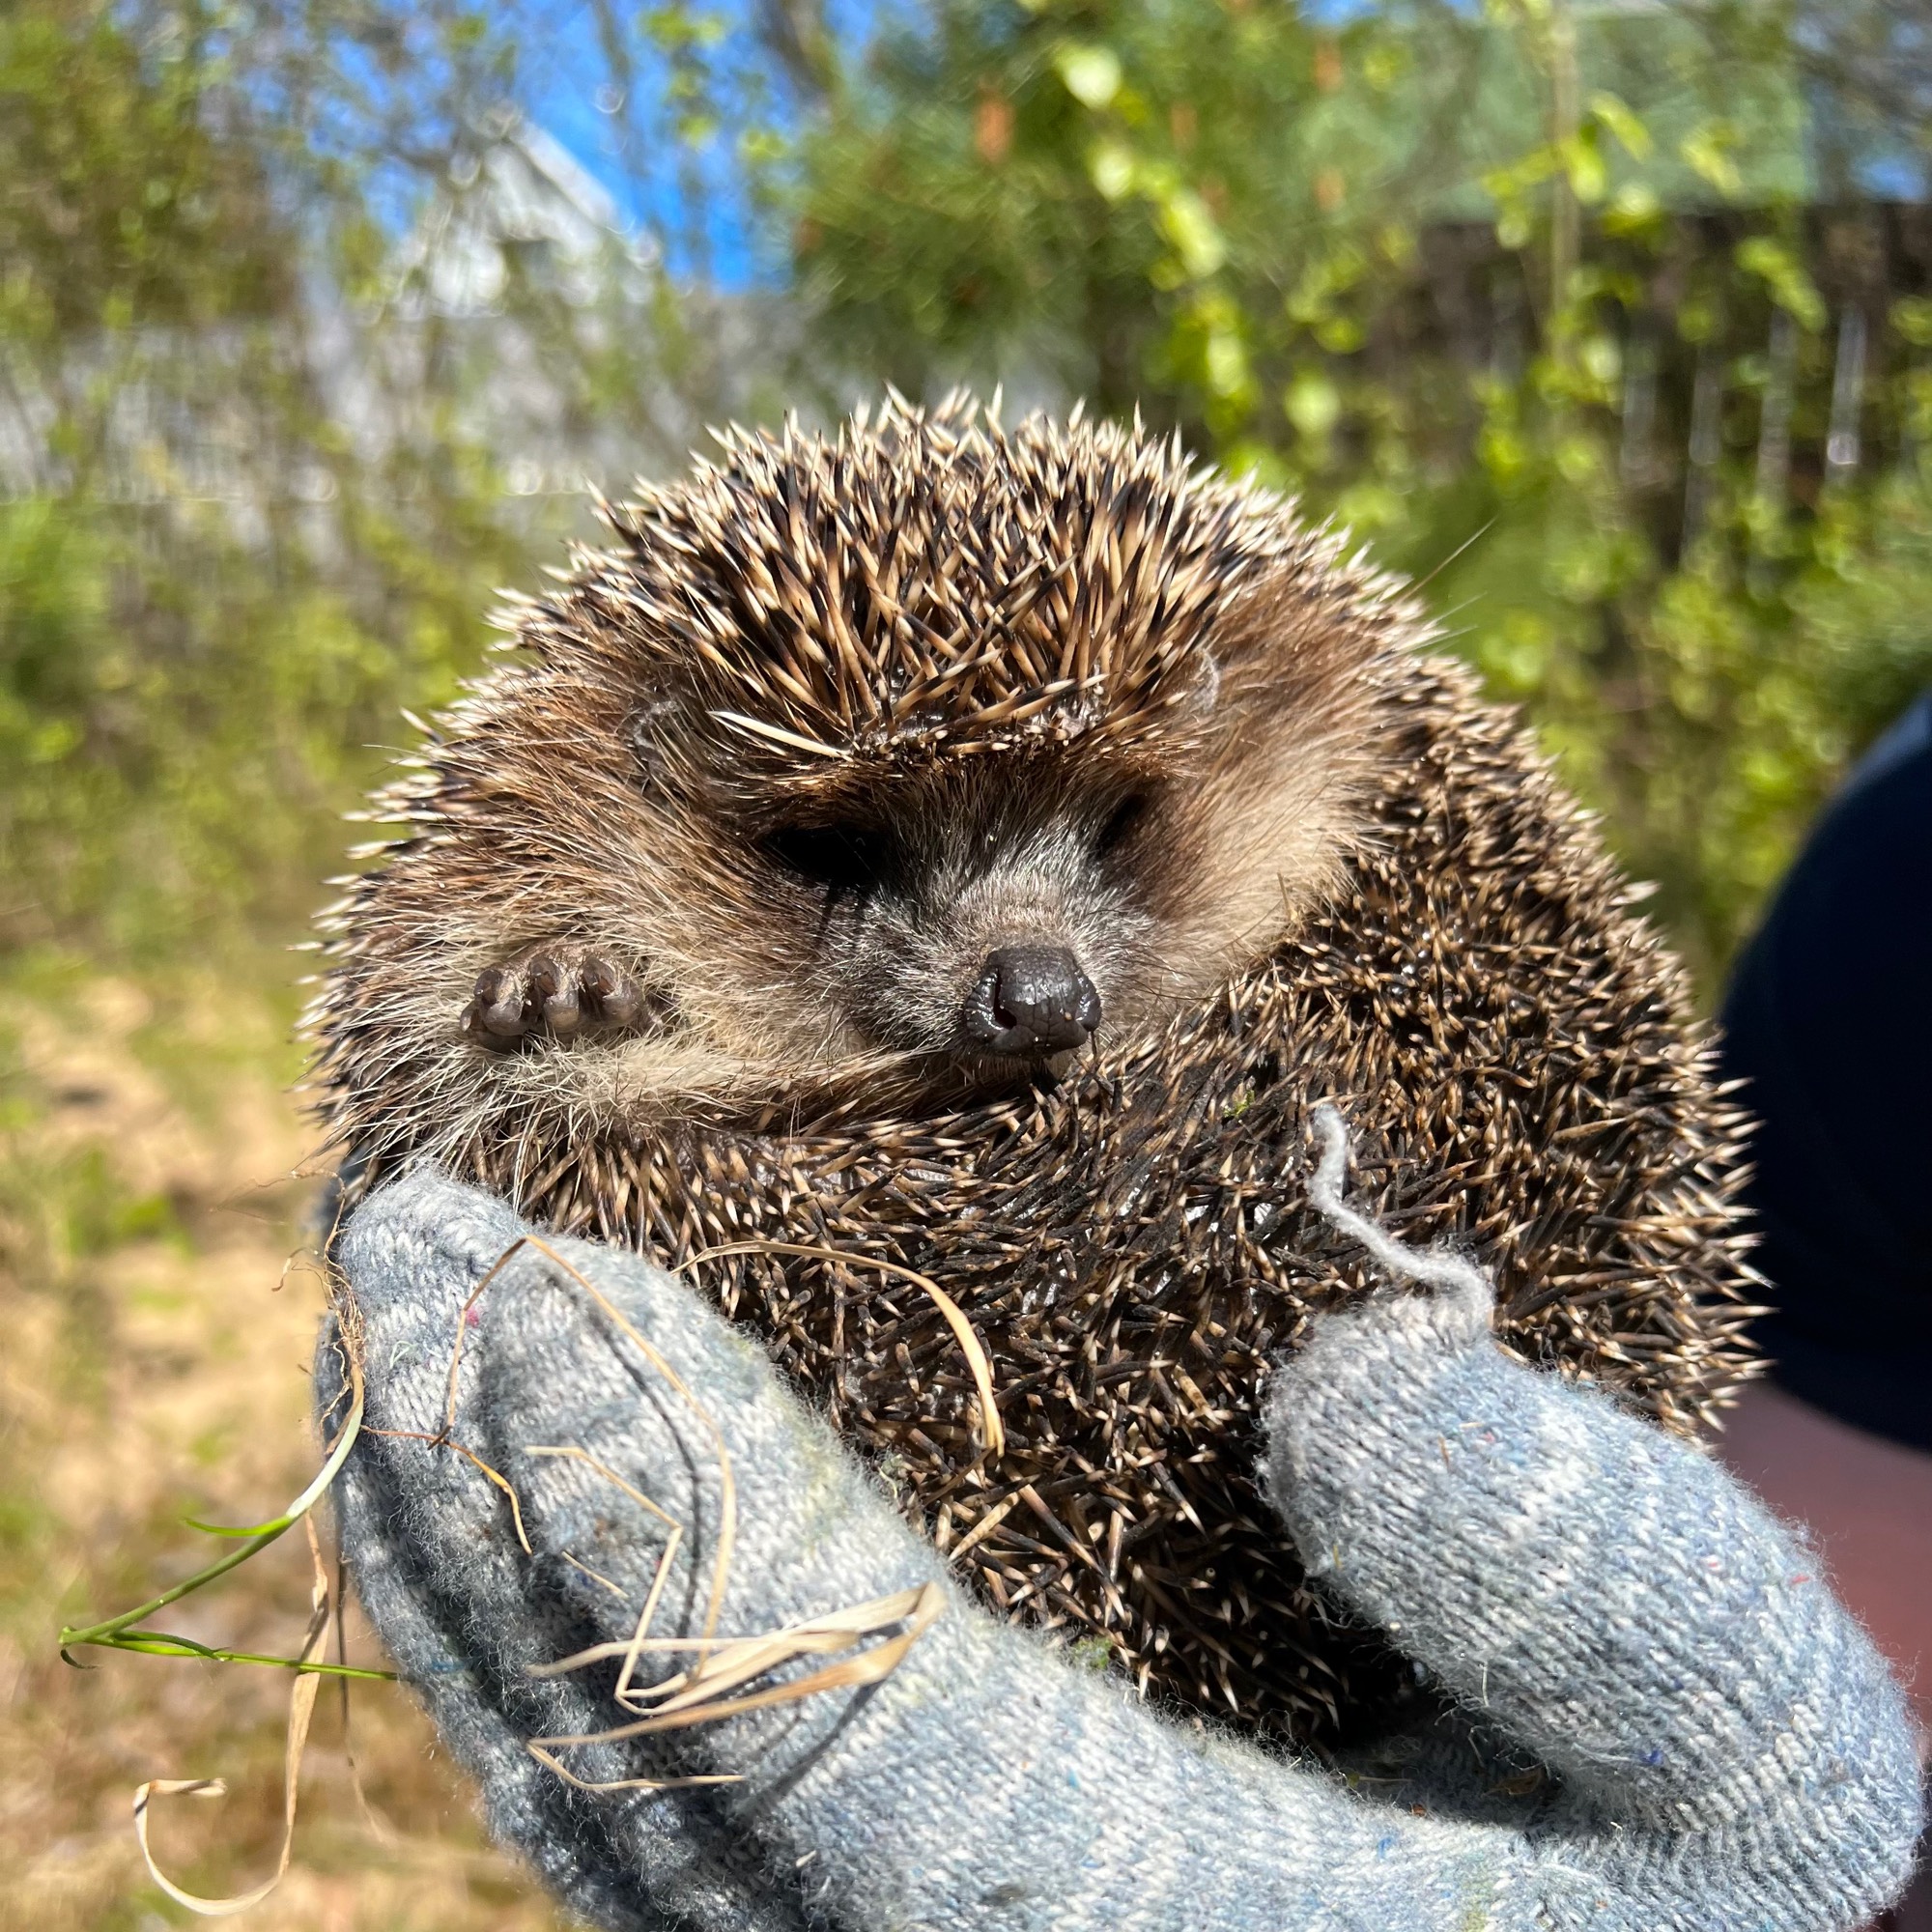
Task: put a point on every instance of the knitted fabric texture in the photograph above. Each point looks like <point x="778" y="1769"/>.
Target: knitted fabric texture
<point x="1663" y="1718"/>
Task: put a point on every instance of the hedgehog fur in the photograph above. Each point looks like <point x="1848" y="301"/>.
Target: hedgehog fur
<point x="1068" y="687"/>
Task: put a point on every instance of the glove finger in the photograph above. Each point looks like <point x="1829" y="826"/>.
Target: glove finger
<point x="581" y="1348"/>
<point x="418" y="1256"/>
<point x="1614" y="1602"/>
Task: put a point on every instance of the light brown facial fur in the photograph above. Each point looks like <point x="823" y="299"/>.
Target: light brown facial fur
<point x="830" y="726"/>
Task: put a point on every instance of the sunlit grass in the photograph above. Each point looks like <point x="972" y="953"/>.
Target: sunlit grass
<point x="154" y="1369"/>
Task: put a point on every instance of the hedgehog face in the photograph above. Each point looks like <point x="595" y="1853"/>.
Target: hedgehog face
<point x="932" y="742"/>
<point x="998" y="912"/>
<point x="969" y="938"/>
<point x="996" y="905"/>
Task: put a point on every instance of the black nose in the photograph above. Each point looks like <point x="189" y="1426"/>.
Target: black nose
<point x="1032" y="999"/>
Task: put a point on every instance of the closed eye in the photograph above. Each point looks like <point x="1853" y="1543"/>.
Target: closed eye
<point x="1121" y="823"/>
<point x="843" y="857"/>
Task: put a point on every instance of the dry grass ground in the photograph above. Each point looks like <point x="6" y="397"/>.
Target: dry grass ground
<point x="154" y="1342"/>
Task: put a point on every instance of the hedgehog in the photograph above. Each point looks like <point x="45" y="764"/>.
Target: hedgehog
<point x="923" y="880"/>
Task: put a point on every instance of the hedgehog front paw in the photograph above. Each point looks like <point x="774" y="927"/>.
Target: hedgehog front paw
<point x="551" y="992"/>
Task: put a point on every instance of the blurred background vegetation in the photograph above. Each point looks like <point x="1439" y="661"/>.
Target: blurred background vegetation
<point x="1611" y="320"/>
<point x="1613" y="316"/>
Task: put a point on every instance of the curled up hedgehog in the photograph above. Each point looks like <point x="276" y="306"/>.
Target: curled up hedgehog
<point x="971" y="854"/>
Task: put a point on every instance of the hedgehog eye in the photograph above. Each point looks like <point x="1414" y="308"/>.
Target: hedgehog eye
<point x="842" y="858"/>
<point x="1123" y="822"/>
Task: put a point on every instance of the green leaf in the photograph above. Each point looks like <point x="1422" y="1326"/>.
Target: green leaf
<point x="1196" y="239"/>
<point x="1784" y="277"/>
<point x="1707" y="152"/>
<point x="1583" y="165"/>
<point x="1911" y="317"/>
<point x="1631" y="134"/>
<point x="1110" y="166"/>
<point x="1313" y="403"/>
<point x="1091" y="74"/>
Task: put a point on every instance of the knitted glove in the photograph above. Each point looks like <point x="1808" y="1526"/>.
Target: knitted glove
<point x="1727" y="1749"/>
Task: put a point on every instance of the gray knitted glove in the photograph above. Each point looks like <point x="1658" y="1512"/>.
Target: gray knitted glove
<point x="1727" y="1751"/>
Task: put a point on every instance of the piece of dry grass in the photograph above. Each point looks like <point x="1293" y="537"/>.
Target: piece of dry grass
<point x="713" y="1687"/>
<point x="129" y="1632"/>
<point x="302" y="1709"/>
<point x="992" y="1433"/>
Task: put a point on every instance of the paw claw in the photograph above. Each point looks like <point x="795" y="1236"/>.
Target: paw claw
<point x="554" y="991"/>
<point x="612" y="992"/>
<point x="500" y="1002"/>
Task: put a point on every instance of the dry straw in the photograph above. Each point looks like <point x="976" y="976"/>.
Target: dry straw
<point x="301" y="1708"/>
<point x="128" y="1633"/>
<point x="717" y="1683"/>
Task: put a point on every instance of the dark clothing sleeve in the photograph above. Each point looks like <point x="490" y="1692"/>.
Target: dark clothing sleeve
<point x="1830" y="1019"/>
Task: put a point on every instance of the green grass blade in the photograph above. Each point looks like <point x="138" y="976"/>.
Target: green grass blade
<point x="160" y="1643"/>
<point x="112" y="1627"/>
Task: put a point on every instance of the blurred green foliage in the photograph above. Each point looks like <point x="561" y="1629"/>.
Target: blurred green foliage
<point x="1566" y="309"/>
<point x="187" y="674"/>
<point x="260" y="489"/>
<point x="1456" y="278"/>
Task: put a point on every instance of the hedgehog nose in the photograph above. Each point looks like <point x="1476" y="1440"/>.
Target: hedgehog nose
<point x="1032" y="999"/>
